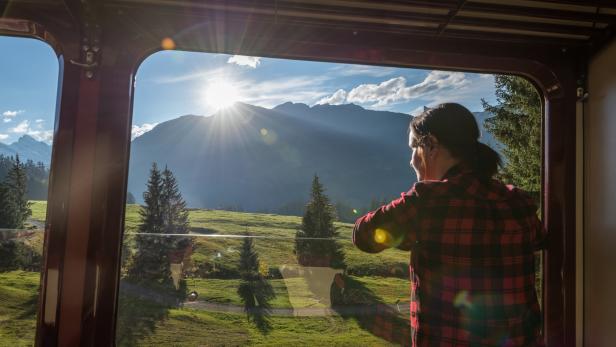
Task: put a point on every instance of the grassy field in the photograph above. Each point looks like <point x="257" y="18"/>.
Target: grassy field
<point x="18" y="298"/>
<point x="145" y="322"/>
<point x="275" y="250"/>
<point x="183" y="326"/>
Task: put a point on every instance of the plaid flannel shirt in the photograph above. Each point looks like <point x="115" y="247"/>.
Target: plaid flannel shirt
<point x="472" y="259"/>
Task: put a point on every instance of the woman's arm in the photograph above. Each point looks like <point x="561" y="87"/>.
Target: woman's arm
<point x="389" y="226"/>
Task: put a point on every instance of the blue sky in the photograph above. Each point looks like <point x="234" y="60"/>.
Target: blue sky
<point x="172" y="83"/>
<point x="28" y="88"/>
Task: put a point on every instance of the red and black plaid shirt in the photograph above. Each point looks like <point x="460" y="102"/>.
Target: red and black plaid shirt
<point x="472" y="259"/>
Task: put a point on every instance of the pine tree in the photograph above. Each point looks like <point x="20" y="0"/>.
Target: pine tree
<point x="164" y="212"/>
<point x="254" y="290"/>
<point x="150" y="261"/>
<point x="175" y="218"/>
<point x="15" y="205"/>
<point x="173" y="206"/>
<point x="5" y="209"/>
<point x="517" y="125"/>
<point x="315" y="243"/>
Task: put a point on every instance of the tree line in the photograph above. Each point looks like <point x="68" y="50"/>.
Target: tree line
<point x="37" y="176"/>
<point x="14" y="211"/>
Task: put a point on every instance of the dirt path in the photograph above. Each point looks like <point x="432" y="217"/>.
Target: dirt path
<point x="355" y="310"/>
<point x="302" y="311"/>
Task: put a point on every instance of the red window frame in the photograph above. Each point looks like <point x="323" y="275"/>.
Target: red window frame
<point x="89" y="167"/>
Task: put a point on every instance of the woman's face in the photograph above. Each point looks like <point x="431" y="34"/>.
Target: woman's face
<point x="418" y="160"/>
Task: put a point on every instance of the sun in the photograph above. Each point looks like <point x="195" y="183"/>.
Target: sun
<point x="221" y="94"/>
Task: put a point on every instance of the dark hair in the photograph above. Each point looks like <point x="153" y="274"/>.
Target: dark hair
<point x="455" y="128"/>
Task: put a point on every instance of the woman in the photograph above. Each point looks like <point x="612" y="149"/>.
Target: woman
<point x="471" y="239"/>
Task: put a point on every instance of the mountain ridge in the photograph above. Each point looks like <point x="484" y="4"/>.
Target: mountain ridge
<point x="259" y="159"/>
<point x="28" y="148"/>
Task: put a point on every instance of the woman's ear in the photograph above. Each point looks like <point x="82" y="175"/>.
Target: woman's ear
<point x="431" y="143"/>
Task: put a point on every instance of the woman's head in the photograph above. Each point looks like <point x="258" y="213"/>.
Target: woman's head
<point x="445" y="135"/>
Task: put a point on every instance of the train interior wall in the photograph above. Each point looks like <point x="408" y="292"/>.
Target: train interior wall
<point x="599" y="279"/>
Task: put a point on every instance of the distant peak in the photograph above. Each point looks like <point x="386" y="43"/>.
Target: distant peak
<point x="26" y="138"/>
<point x="238" y="108"/>
<point x="187" y="116"/>
<point x="292" y="105"/>
<point x="350" y="106"/>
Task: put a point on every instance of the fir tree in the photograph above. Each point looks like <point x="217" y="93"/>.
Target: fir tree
<point x="315" y="243"/>
<point x="150" y="261"/>
<point x="517" y="125"/>
<point x="173" y="206"/>
<point x="15" y="205"/>
<point x="5" y="209"/>
<point x="254" y="290"/>
<point x="175" y="218"/>
<point x="164" y="212"/>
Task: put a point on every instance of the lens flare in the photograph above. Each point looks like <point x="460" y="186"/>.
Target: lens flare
<point x="167" y="43"/>
<point x="269" y="136"/>
<point x="462" y="300"/>
<point x="382" y="236"/>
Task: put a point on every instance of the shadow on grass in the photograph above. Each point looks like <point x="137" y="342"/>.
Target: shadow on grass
<point x="29" y="308"/>
<point x="256" y="294"/>
<point x="373" y="315"/>
<point x="260" y="316"/>
<point x="142" y="306"/>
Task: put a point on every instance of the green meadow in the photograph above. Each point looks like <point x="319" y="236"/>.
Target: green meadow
<point x="216" y="317"/>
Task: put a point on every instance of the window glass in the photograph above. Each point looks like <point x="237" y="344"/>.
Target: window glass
<point x="28" y="88"/>
<point x="246" y="176"/>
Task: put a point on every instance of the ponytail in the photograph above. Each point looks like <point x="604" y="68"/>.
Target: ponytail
<point x="486" y="161"/>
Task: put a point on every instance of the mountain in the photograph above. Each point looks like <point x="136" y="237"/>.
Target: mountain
<point x="257" y="159"/>
<point x="28" y="149"/>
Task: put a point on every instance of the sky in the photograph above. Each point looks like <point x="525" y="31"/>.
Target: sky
<point x="170" y="84"/>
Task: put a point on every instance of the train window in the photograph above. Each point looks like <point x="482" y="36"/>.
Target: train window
<point x="28" y="88"/>
<point x="246" y="175"/>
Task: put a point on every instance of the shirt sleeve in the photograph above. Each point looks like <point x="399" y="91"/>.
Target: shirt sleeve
<point x="391" y="225"/>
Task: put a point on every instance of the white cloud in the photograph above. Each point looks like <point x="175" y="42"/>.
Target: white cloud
<point x="137" y="130"/>
<point x="470" y="95"/>
<point x="243" y="60"/>
<point x="396" y="90"/>
<point x="3" y="137"/>
<point x="21" y="128"/>
<point x="41" y="135"/>
<point x="12" y="113"/>
<point x="9" y="115"/>
<point x="381" y="94"/>
<point x="39" y="120"/>
<point x="363" y="70"/>
<point x="338" y="98"/>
